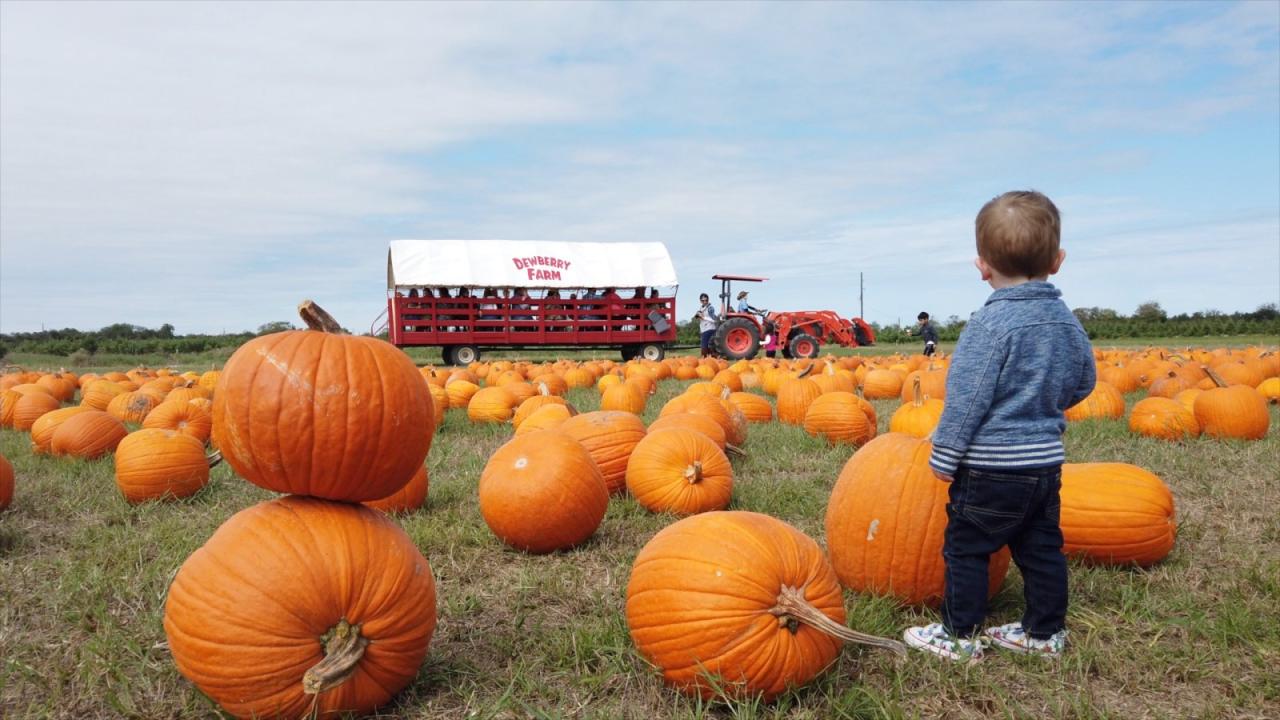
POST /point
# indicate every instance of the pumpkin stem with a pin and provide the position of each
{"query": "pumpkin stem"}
(734, 450)
(1214, 376)
(693, 473)
(317, 318)
(214, 459)
(915, 388)
(806, 371)
(792, 605)
(342, 653)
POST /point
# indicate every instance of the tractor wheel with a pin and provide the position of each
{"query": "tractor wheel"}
(737, 339)
(803, 346)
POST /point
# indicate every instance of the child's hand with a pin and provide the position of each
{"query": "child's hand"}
(941, 476)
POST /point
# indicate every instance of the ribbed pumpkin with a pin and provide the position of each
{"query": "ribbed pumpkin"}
(8, 403)
(542, 492)
(323, 414)
(460, 393)
(703, 405)
(188, 418)
(754, 408)
(43, 428)
(609, 436)
(839, 418)
(6, 483)
(919, 416)
(794, 398)
(299, 604)
(132, 407)
(679, 471)
(697, 423)
(729, 379)
(933, 384)
(99, 393)
(624, 397)
(1113, 513)
(533, 404)
(1163, 418)
(737, 604)
(1105, 402)
(491, 405)
(406, 499)
(89, 435)
(1236, 411)
(1270, 390)
(153, 464)
(883, 384)
(544, 418)
(886, 520)
(28, 409)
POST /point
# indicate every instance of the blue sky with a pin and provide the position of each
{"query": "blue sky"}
(209, 165)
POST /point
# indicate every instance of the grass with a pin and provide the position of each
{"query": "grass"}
(84, 577)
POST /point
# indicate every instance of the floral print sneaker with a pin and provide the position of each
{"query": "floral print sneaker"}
(1013, 637)
(935, 639)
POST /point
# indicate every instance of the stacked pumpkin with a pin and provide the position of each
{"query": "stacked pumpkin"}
(310, 604)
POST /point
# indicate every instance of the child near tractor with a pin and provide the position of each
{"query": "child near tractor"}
(1022, 359)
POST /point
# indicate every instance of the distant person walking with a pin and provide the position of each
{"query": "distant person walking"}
(707, 320)
(928, 332)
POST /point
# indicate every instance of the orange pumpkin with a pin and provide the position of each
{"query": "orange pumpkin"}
(28, 409)
(697, 423)
(754, 408)
(679, 471)
(918, 417)
(886, 520)
(624, 397)
(408, 498)
(90, 434)
(491, 405)
(99, 393)
(1104, 402)
(609, 436)
(43, 428)
(265, 621)
(1235, 411)
(737, 604)
(187, 418)
(1163, 418)
(132, 407)
(1113, 513)
(883, 384)
(542, 492)
(839, 418)
(794, 398)
(705, 405)
(544, 418)
(153, 464)
(323, 414)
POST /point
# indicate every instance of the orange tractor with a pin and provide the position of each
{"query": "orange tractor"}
(799, 334)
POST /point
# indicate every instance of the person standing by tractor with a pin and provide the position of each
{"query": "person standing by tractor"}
(707, 320)
(928, 332)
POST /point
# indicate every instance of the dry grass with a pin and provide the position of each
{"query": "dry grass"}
(83, 577)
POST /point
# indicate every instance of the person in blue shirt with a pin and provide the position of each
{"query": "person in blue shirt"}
(708, 319)
(1022, 360)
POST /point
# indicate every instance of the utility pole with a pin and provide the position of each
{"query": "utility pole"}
(862, 313)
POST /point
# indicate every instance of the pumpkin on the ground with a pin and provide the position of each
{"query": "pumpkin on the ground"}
(267, 621)
(1232, 411)
(408, 498)
(919, 416)
(1163, 418)
(737, 605)
(838, 417)
(1114, 513)
(609, 436)
(90, 434)
(679, 471)
(154, 464)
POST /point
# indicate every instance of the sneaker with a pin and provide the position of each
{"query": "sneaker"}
(935, 639)
(1013, 637)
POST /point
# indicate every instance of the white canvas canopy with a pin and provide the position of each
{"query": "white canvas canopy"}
(529, 264)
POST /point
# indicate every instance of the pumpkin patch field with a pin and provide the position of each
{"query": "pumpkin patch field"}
(321, 526)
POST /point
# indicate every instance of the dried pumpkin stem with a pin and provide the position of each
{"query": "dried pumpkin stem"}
(214, 459)
(693, 473)
(734, 450)
(806, 371)
(342, 653)
(317, 318)
(1214, 376)
(792, 605)
(915, 388)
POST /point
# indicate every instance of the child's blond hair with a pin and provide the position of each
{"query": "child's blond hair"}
(1018, 233)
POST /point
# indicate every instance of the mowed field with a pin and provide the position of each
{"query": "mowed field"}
(83, 577)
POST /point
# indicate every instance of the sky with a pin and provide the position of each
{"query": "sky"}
(209, 165)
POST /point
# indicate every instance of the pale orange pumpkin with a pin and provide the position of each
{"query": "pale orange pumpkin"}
(1163, 418)
(153, 464)
(609, 436)
(408, 498)
(679, 471)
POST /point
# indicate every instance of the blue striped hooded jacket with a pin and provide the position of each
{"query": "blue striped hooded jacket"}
(1021, 361)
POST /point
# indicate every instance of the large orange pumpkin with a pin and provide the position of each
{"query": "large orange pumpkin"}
(886, 520)
(542, 492)
(28, 409)
(697, 423)
(679, 471)
(90, 434)
(491, 405)
(155, 464)
(298, 604)
(609, 436)
(406, 499)
(919, 416)
(544, 418)
(132, 407)
(1232, 411)
(1114, 513)
(186, 417)
(1164, 418)
(755, 408)
(737, 604)
(43, 428)
(794, 398)
(1105, 402)
(323, 414)
(838, 417)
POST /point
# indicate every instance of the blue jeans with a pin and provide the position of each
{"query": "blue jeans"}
(988, 510)
(706, 341)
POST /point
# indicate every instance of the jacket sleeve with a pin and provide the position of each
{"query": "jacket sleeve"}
(1088, 376)
(971, 385)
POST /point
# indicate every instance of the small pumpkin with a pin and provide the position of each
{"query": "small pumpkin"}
(542, 492)
(624, 397)
(918, 417)
(132, 407)
(679, 471)
(737, 605)
(408, 498)
(266, 622)
(153, 464)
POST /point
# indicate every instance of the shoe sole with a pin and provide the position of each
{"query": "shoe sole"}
(913, 641)
(1021, 649)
